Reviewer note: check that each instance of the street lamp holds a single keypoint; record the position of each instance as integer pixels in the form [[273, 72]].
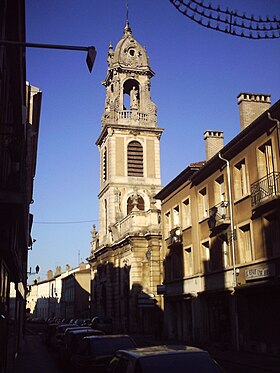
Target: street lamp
[[91, 51], [37, 269]]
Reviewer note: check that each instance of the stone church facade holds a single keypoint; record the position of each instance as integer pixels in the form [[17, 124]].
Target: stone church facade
[[125, 258]]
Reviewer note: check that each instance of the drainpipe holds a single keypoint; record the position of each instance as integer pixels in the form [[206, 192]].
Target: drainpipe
[[234, 300], [278, 128], [231, 220]]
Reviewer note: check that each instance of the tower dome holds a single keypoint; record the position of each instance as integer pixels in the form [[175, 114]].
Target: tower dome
[[129, 53]]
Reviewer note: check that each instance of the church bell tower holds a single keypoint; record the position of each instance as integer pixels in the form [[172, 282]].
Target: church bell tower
[[129, 143]]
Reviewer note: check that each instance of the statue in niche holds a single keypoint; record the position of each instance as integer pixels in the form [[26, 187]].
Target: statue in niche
[[134, 200], [94, 241], [118, 203], [107, 103], [93, 231], [133, 98], [152, 198]]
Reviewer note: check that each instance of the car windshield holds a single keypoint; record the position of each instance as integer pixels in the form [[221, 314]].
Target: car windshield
[[179, 363]]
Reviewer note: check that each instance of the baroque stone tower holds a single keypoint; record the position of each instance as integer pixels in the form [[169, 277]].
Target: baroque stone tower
[[129, 140], [125, 253]]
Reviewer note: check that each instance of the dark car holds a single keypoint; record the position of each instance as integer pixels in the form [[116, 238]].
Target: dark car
[[59, 332], [97, 351], [72, 342], [163, 359], [102, 323], [49, 334]]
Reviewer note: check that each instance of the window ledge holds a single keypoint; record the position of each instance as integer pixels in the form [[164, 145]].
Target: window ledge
[[202, 220], [187, 227], [241, 198]]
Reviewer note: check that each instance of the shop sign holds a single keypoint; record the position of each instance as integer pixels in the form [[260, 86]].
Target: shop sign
[[259, 273]]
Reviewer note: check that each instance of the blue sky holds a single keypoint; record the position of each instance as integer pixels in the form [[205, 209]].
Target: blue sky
[[199, 73]]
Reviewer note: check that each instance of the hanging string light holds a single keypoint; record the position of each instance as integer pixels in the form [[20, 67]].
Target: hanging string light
[[229, 21]]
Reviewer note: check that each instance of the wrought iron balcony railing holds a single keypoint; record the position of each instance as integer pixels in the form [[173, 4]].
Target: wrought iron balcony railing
[[175, 236], [265, 189], [219, 215]]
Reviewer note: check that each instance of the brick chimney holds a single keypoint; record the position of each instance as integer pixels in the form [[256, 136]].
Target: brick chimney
[[214, 141], [251, 106], [49, 274]]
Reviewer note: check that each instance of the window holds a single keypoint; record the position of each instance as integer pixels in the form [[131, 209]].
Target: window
[[245, 243], [240, 180], [186, 213], [106, 216], [175, 263], [176, 216], [205, 254], [189, 260], [203, 204], [217, 253], [225, 255], [167, 224], [265, 160], [105, 164], [272, 234], [135, 159], [219, 189]]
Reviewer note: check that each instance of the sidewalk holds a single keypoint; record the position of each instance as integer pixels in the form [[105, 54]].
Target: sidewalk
[[254, 361], [34, 358]]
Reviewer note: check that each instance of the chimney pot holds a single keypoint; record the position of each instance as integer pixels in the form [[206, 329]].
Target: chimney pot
[[214, 141], [251, 106]]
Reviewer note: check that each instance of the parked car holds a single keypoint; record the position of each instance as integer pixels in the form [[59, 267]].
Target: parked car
[[86, 322], [72, 342], [102, 323], [59, 332], [163, 359], [97, 351], [50, 333]]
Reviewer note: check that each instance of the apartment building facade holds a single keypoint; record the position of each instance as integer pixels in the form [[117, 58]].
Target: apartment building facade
[[19, 126], [64, 295], [221, 243]]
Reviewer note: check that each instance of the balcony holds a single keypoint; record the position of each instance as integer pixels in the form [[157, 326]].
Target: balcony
[[265, 190], [175, 237], [137, 221], [130, 114], [219, 217]]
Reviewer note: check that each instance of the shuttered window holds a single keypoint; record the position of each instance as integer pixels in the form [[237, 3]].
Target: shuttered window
[[135, 159]]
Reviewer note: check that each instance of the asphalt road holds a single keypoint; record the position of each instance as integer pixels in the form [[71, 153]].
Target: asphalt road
[[37, 358]]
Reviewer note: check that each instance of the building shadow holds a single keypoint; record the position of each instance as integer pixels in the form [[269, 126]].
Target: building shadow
[[115, 296]]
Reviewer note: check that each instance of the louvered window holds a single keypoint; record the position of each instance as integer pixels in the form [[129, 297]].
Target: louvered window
[[135, 159]]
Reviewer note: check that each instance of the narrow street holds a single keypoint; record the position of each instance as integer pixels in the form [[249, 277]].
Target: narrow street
[[37, 358]]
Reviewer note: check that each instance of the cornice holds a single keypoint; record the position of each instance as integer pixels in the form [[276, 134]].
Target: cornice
[[122, 127]]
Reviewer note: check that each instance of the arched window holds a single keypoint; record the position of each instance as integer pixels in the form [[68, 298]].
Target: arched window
[[106, 215], [135, 159], [105, 165], [136, 201]]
